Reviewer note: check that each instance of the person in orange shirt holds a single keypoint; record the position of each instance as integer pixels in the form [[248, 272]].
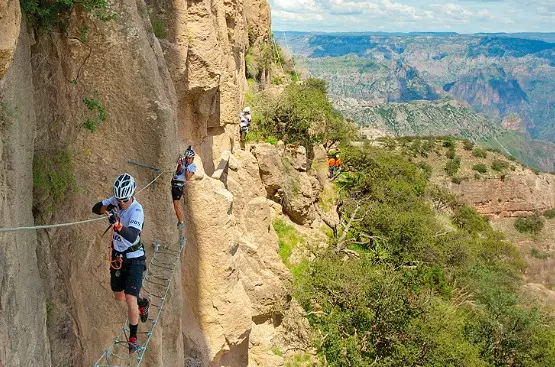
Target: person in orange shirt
[[331, 164], [338, 163]]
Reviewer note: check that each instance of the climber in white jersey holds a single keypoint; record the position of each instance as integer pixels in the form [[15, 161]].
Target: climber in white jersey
[[185, 169], [127, 218]]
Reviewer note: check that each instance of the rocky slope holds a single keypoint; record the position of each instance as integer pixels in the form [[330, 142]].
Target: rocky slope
[[75, 107], [420, 118]]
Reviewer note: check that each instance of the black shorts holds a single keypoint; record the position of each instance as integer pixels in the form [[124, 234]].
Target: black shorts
[[177, 191], [129, 278]]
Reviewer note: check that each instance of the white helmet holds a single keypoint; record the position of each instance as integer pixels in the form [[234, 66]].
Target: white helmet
[[124, 186], [247, 110]]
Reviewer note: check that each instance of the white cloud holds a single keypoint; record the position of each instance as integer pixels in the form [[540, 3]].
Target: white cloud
[[465, 16]]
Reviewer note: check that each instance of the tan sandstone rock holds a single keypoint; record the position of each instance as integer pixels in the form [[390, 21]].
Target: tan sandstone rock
[[10, 20]]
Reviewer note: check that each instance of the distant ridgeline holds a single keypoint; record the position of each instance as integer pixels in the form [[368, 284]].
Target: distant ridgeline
[[502, 76]]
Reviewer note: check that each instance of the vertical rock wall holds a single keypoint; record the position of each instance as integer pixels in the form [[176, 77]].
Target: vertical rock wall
[[23, 308], [158, 95]]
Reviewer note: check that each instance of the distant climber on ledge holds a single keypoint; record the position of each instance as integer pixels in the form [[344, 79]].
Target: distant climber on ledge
[[128, 259], [185, 169], [244, 123]]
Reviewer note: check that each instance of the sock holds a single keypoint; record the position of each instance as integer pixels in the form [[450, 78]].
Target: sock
[[141, 302], [132, 331]]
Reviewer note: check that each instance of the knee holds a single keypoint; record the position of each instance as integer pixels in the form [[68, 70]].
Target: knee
[[119, 296], [131, 300]]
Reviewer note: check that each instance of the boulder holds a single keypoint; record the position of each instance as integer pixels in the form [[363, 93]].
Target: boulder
[[297, 157]]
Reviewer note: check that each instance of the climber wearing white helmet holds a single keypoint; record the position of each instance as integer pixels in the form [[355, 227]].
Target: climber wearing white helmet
[[127, 218], [185, 169], [245, 121]]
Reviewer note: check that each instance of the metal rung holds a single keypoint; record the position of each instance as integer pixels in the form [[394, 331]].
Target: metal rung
[[150, 281], [162, 266], [158, 277], [157, 261]]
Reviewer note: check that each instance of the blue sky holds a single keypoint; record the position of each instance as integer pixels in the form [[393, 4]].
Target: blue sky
[[463, 16]]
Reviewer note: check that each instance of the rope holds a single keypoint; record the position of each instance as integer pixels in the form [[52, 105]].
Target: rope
[[71, 223]]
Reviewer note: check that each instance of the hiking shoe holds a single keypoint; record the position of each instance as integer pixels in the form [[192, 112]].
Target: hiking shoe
[[133, 345], [143, 311], [180, 225]]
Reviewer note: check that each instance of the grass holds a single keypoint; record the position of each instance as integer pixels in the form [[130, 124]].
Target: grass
[[539, 254], [159, 28], [288, 239], [53, 176]]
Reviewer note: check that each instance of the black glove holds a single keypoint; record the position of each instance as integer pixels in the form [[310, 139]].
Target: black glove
[[112, 216]]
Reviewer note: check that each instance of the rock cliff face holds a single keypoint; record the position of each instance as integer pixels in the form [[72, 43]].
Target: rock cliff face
[[147, 97]]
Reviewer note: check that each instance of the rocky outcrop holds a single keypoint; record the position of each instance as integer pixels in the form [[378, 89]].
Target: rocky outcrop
[[109, 94], [23, 306], [10, 20], [518, 194], [295, 190]]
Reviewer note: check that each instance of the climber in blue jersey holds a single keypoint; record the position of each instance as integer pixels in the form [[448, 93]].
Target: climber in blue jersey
[[184, 170], [128, 254]]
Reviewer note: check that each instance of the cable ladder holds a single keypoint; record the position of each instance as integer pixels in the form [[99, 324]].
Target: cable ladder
[[156, 284]]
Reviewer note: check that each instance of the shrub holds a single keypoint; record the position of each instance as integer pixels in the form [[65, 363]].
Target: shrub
[[449, 142], [479, 153], [499, 165], [452, 166], [477, 176], [480, 167], [532, 224], [288, 239], [53, 177], [159, 28], [426, 168], [457, 180], [467, 144], [467, 218], [549, 213], [450, 153], [539, 254]]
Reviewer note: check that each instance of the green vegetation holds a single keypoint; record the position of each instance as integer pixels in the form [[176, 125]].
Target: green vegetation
[[467, 144], [53, 177], [419, 291], [288, 239], [97, 112], [452, 166], [301, 114], [480, 167], [53, 13], [479, 153], [539, 254], [499, 165], [549, 214], [159, 28], [531, 224]]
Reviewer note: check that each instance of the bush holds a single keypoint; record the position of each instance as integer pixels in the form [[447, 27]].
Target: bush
[[467, 144], [499, 165], [532, 224], [480, 167], [288, 239], [450, 153], [549, 214], [449, 142], [479, 153], [426, 168], [159, 28], [467, 218], [457, 180], [53, 177], [452, 166], [539, 254]]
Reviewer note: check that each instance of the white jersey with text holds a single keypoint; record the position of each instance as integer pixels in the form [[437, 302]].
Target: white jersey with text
[[131, 217]]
